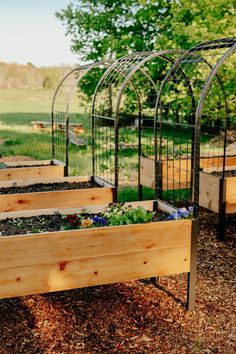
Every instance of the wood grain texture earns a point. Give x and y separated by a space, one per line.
209 191
230 194
176 174
22 173
147 169
55 199
93 209
70 259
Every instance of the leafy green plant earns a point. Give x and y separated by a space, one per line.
138 216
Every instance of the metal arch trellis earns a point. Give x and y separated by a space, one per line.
203 122
229 46
114 82
61 109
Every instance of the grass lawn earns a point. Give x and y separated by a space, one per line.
19 107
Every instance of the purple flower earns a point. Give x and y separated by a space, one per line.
183 213
190 209
174 216
99 221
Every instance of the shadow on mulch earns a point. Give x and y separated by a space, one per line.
16 325
120 317
132 317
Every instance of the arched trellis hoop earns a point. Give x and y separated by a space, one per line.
107 113
204 122
60 111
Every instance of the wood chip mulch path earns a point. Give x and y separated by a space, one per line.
132 317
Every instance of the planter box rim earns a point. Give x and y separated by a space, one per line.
87 230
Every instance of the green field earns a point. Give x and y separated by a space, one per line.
19 107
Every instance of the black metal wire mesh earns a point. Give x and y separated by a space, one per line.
67 90
123 115
176 128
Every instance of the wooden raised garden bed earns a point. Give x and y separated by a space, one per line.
216 192
20 170
16 203
53 261
180 168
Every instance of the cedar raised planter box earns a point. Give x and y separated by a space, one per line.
14 204
53 261
180 168
215 191
31 170
212 195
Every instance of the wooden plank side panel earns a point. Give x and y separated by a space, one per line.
147 168
65 198
216 163
230 194
92 271
176 174
93 209
209 192
31 172
70 245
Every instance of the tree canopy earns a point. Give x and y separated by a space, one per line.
110 29
105 29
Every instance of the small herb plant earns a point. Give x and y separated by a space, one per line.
119 214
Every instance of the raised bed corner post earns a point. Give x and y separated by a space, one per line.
67 147
192 275
140 187
116 127
52 134
222 186
222 209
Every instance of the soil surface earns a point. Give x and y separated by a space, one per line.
39 187
49 164
133 317
227 173
16 158
45 223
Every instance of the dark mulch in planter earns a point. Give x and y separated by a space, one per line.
39 165
227 173
132 317
50 187
44 223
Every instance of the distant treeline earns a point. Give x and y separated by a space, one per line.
29 76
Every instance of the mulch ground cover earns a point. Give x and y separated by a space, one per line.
40 187
231 173
133 317
23 166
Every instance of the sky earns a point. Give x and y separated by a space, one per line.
30 32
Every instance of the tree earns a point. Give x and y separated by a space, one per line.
107 29
201 20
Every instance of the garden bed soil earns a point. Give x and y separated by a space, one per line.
40 187
133 317
231 173
46 223
4 166
16 158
